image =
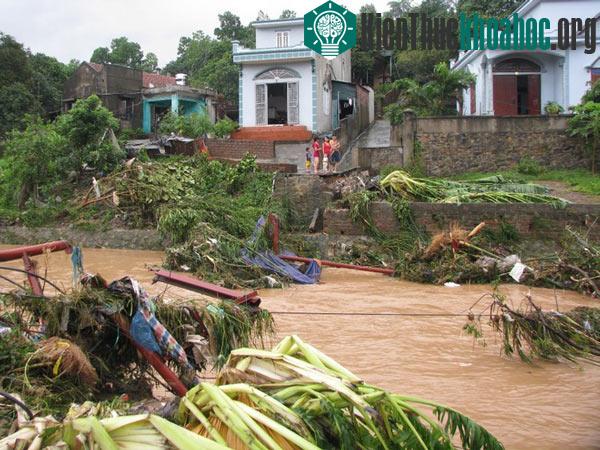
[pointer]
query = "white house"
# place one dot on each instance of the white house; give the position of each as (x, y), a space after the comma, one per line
(283, 82)
(510, 82)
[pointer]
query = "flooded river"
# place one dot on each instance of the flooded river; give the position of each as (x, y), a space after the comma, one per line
(542, 406)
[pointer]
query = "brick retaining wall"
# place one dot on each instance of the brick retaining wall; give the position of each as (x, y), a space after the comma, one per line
(528, 219)
(451, 145)
(236, 149)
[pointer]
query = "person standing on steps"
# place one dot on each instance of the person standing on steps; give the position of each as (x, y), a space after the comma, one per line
(326, 155)
(308, 159)
(336, 155)
(316, 154)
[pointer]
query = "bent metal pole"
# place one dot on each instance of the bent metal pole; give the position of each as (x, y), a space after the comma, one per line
(10, 254)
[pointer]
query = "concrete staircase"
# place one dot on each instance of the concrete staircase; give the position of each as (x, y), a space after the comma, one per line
(282, 133)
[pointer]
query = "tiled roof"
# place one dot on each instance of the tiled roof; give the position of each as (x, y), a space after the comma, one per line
(157, 80)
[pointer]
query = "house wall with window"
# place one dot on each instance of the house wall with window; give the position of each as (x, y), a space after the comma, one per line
(268, 37)
(305, 74)
(536, 77)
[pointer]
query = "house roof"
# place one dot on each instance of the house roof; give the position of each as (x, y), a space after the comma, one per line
(149, 80)
(97, 67)
(156, 80)
(277, 22)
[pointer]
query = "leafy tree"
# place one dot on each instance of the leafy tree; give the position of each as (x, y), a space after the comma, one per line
(399, 8)
(86, 122)
(230, 28)
(191, 126)
(488, 8)
(16, 101)
(585, 124)
(48, 78)
(287, 14)
(101, 56)
(34, 157)
(209, 63)
(123, 51)
(224, 127)
(436, 97)
(14, 63)
(150, 62)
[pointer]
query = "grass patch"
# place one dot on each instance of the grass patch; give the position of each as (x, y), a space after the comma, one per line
(580, 180)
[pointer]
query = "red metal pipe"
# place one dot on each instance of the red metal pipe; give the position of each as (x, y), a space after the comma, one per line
(197, 285)
(10, 254)
(325, 262)
(153, 358)
(34, 281)
(274, 220)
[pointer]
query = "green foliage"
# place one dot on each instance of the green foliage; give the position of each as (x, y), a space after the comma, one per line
(580, 180)
(436, 97)
(208, 61)
(86, 122)
(553, 108)
(122, 51)
(16, 101)
(288, 14)
(224, 127)
(190, 125)
(529, 166)
(585, 124)
(593, 94)
(34, 160)
(488, 8)
(127, 134)
(230, 28)
(387, 169)
(394, 112)
(43, 155)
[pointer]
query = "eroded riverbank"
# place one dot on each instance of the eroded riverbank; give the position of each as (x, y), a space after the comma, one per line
(546, 406)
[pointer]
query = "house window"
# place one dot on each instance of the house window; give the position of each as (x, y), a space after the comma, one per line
(595, 75)
(282, 38)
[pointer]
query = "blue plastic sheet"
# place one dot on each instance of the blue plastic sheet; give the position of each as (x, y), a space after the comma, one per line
(270, 261)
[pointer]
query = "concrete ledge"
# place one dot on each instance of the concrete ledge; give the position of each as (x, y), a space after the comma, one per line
(127, 239)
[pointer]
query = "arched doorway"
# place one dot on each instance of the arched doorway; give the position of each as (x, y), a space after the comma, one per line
(277, 99)
(516, 87)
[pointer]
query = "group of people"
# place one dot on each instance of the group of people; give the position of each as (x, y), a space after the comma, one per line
(328, 153)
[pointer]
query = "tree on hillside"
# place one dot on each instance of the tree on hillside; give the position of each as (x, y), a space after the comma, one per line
(287, 14)
(14, 64)
(230, 28)
(399, 8)
(16, 101)
(29, 84)
(150, 62)
(125, 52)
(101, 55)
(488, 8)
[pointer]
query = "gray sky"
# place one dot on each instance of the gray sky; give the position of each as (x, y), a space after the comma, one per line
(69, 29)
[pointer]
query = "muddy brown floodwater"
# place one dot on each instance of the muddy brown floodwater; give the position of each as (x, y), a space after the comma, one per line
(541, 406)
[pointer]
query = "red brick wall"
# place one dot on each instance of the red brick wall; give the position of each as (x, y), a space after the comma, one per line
(234, 149)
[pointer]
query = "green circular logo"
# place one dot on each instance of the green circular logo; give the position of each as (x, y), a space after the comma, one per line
(330, 30)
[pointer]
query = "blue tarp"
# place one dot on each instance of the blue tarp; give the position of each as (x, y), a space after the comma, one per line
(270, 261)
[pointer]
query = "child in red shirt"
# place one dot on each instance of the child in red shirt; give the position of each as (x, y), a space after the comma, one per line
(327, 154)
(316, 154)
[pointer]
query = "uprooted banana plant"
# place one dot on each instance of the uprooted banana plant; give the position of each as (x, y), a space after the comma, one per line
(296, 397)
(531, 332)
(139, 432)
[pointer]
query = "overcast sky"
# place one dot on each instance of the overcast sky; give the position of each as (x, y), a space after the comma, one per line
(69, 29)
